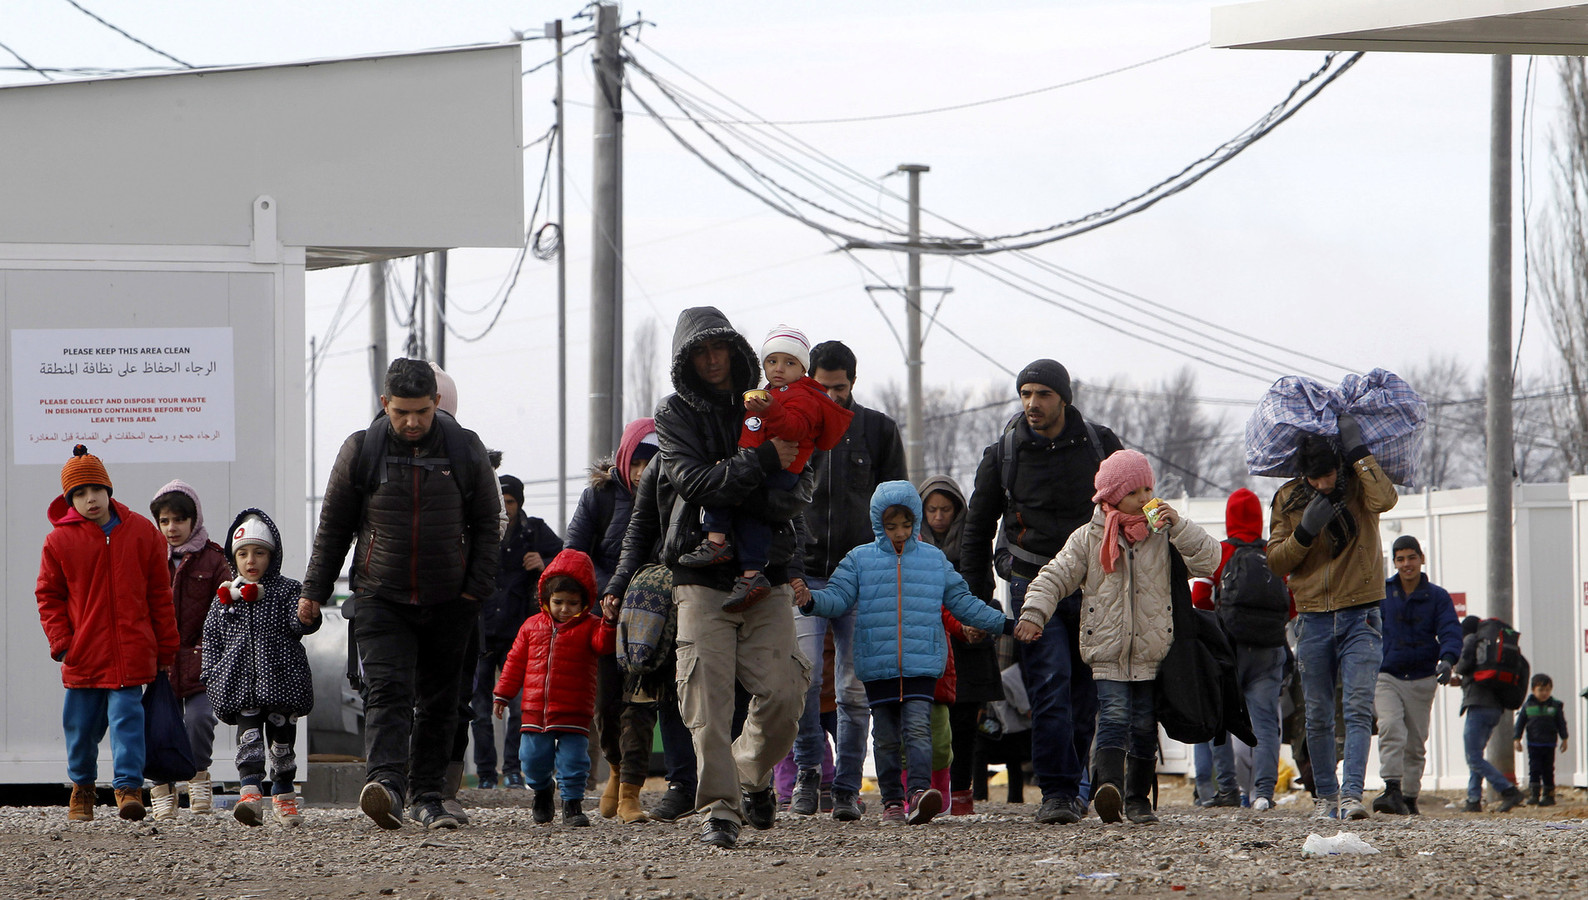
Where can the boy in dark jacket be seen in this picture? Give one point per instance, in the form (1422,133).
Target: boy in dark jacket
(1541,720)
(1481,704)
(553,661)
(526,546)
(197,568)
(255,669)
(104,597)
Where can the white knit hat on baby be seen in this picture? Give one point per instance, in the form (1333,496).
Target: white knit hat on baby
(784,339)
(252,530)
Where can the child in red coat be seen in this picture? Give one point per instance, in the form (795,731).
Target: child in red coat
(794,407)
(104,596)
(559,702)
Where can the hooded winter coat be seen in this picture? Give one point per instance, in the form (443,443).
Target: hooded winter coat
(1420,629)
(555,664)
(253,650)
(604,507)
(800,412)
(869,453)
(975,665)
(899,598)
(1320,579)
(1243,521)
(105,600)
(698,428)
(1126,617)
(202,568)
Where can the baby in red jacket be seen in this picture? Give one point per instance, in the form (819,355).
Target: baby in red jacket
(559,701)
(794,407)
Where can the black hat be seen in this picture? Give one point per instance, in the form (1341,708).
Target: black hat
(1047,372)
(512,487)
(1406,542)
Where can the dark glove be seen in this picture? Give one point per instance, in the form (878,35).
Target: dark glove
(1314,519)
(1443,671)
(1004,564)
(1351,443)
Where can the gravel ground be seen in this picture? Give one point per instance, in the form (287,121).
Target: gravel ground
(999,852)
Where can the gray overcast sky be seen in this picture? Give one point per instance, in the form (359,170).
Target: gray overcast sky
(1357,232)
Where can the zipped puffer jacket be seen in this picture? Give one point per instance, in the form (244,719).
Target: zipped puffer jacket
(900,597)
(1126,618)
(105,601)
(555,665)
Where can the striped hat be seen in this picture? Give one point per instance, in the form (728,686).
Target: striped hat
(82,469)
(784,339)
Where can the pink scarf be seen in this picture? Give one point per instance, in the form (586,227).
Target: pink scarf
(1116,523)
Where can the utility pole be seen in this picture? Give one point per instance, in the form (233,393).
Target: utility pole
(915,451)
(606,272)
(554,30)
(314,410)
(439,322)
(377,327)
(1501,465)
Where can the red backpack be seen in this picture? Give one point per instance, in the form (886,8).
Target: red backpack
(1500,663)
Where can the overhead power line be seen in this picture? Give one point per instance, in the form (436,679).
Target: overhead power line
(144,44)
(26,66)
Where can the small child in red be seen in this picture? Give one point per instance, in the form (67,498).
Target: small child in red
(794,407)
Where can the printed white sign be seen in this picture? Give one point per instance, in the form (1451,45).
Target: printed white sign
(130,394)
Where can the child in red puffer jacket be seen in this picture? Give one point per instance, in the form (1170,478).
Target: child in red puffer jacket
(553,661)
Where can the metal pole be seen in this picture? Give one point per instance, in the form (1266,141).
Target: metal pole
(314,370)
(1500,461)
(377,327)
(440,342)
(606,281)
(562,306)
(915,450)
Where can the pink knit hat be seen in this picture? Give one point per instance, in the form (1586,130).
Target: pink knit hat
(1122,472)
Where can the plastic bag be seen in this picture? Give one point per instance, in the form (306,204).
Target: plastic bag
(1391,414)
(1344,843)
(168,757)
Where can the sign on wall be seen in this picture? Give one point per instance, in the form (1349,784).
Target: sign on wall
(130,394)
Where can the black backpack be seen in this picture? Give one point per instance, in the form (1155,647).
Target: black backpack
(1253,602)
(1006,456)
(1199,695)
(370,472)
(1500,664)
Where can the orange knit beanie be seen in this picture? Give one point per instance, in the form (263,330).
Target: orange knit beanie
(83,468)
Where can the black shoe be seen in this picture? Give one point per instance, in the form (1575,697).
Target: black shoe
(847,806)
(826,802)
(721,833)
(707,554)
(1532,793)
(543,807)
(676,804)
(429,812)
(1411,806)
(487,782)
(1391,801)
(1108,784)
(760,808)
(1473,806)
(1548,797)
(382,804)
(573,815)
(807,793)
(513,781)
(1228,799)
(747,592)
(1511,799)
(1057,811)
(1141,777)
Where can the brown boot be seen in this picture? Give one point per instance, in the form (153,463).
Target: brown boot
(129,803)
(609,797)
(82,808)
(629,804)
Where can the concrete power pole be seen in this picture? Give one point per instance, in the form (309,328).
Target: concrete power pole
(606,272)
(438,343)
(377,327)
(915,420)
(554,30)
(1501,465)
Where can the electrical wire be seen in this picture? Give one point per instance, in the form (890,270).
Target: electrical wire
(565,51)
(144,44)
(26,66)
(1528,97)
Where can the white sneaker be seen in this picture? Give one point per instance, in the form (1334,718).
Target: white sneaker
(1352,808)
(1326,808)
(200,793)
(1262,804)
(163,797)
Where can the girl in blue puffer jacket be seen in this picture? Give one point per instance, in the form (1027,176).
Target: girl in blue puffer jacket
(901,586)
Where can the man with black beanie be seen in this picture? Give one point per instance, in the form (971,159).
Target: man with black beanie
(1033,488)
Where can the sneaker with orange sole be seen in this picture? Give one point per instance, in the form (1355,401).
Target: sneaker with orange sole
(287,808)
(248,809)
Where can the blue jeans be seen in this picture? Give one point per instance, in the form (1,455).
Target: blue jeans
(1063,698)
(566,751)
(1215,767)
(853,712)
(1348,645)
(909,722)
(1475,736)
(86,715)
(1261,671)
(1125,719)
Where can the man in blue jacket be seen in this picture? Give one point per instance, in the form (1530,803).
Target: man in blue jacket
(1422,641)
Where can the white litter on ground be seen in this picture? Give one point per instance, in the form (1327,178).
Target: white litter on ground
(1344,843)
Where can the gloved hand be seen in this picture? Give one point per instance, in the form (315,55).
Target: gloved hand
(1350,433)
(1443,672)
(223,592)
(1314,519)
(249,591)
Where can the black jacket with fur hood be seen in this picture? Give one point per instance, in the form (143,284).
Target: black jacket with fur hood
(698,430)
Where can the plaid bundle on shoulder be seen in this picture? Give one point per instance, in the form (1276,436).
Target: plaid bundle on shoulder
(1390,412)
(647,624)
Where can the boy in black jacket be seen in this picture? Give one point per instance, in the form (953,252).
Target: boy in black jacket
(1542,720)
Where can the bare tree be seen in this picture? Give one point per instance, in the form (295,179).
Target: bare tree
(1559,265)
(1453,438)
(1193,451)
(643,370)
(961,420)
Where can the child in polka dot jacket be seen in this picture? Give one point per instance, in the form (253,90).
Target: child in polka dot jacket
(255,669)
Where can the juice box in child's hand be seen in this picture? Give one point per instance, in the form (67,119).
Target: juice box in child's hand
(1151,511)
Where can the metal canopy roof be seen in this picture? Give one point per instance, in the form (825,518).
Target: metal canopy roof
(1532,27)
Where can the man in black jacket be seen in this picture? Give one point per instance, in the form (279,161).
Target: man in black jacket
(1033,488)
(839,519)
(425,514)
(698,428)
